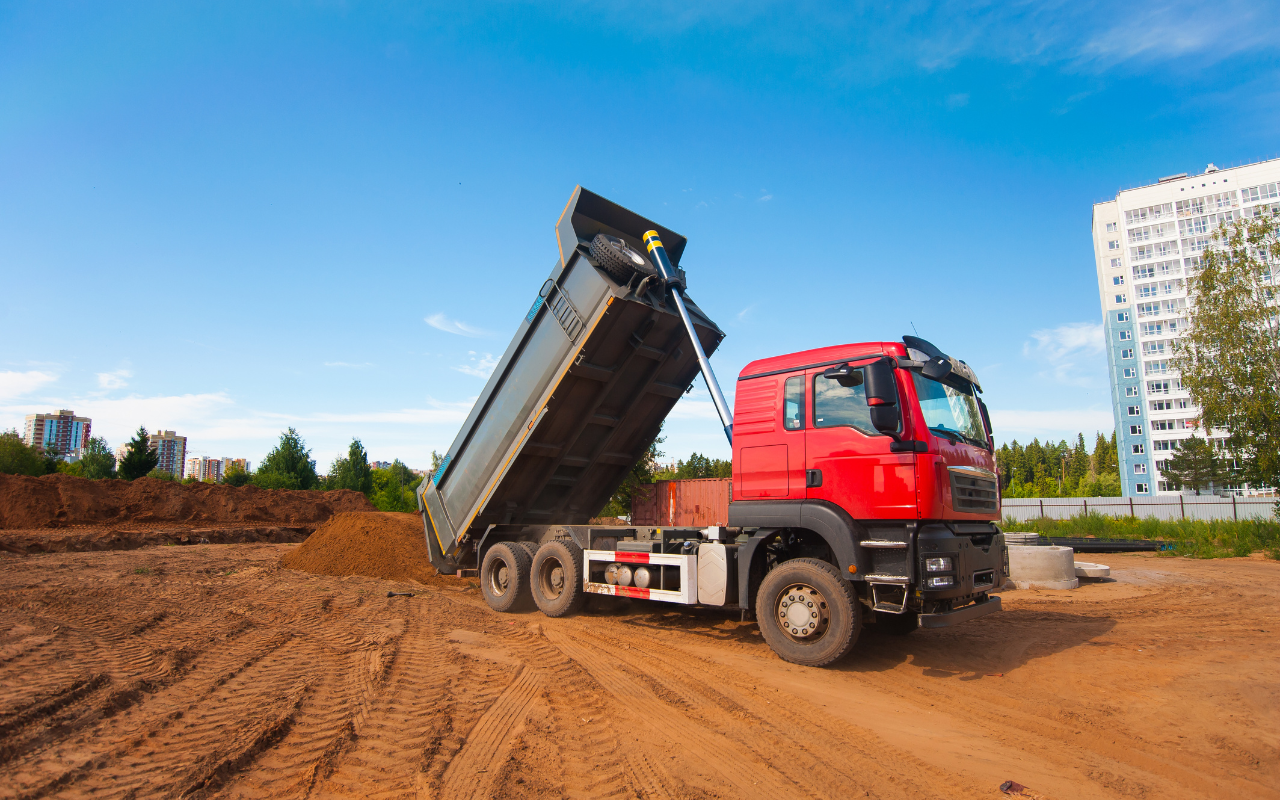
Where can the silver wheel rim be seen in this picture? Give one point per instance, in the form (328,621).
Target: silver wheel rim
(551,578)
(499,579)
(802,613)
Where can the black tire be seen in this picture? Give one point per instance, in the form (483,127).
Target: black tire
(530,548)
(808,613)
(504,576)
(897,624)
(618,258)
(556,579)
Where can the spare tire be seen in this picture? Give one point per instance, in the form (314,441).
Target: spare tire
(618,258)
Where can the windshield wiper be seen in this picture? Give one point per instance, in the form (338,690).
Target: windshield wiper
(954,436)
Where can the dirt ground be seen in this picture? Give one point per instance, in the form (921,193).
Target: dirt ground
(210,670)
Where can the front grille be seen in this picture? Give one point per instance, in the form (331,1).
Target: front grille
(972,493)
(984,578)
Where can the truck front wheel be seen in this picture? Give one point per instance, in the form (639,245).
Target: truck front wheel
(504,575)
(807,612)
(557,578)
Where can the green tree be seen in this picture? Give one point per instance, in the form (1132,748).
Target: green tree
(288,466)
(96,460)
(234,476)
(16,458)
(1078,462)
(393,488)
(160,474)
(1196,465)
(139,458)
(1230,356)
(1105,457)
(698,466)
(352,471)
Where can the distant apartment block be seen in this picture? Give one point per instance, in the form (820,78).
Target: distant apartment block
(62,430)
(171,450)
(380,464)
(1146,242)
(203,468)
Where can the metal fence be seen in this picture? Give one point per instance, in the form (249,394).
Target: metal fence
(1203,507)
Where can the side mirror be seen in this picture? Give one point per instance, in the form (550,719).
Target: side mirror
(882,397)
(845,375)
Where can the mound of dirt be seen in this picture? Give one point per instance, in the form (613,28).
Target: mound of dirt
(376,544)
(59,501)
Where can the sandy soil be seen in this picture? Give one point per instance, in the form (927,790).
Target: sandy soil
(209,670)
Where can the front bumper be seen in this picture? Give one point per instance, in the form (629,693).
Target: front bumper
(946,619)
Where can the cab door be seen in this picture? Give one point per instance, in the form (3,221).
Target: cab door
(848,462)
(769,438)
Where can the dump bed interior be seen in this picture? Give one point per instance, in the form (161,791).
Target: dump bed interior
(579,395)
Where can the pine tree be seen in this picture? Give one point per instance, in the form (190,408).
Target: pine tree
(139,458)
(288,466)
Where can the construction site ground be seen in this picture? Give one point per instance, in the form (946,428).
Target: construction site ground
(210,670)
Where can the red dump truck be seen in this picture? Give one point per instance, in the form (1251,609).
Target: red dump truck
(864,484)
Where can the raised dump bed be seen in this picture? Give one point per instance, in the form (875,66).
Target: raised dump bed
(580,394)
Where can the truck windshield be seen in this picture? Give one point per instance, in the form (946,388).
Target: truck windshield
(949,411)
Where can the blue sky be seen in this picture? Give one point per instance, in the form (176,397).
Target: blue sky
(226,219)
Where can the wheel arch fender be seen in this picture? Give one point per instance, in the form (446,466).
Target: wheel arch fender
(827,520)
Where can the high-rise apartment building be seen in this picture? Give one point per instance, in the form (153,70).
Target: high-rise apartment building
(1146,242)
(61,429)
(172,451)
(203,468)
(241,463)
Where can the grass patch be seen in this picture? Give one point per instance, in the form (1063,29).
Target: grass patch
(1194,538)
(142,571)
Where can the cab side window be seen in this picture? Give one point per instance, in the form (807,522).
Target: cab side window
(841,401)
(793,403)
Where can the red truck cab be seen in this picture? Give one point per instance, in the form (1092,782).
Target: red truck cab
(876,458)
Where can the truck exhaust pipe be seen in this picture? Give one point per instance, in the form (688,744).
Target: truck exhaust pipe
(660,260)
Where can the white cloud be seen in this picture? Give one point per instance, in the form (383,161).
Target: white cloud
(114,380)
(442,323)
(480,366)
(689,408)
(1070,353)
(764,198)
(17,384)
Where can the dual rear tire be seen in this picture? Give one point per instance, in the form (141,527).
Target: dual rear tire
(512,572)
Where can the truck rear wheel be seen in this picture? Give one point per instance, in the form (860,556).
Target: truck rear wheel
(504,575)
(807,612)
(557,578)
(618,258)
(897,624)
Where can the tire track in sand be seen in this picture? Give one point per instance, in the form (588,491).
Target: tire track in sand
(472,772)
(745,771)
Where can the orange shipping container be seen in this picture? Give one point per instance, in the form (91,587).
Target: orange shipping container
(694,503)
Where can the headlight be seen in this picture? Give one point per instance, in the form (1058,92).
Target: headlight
(940,582)
(942,564)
